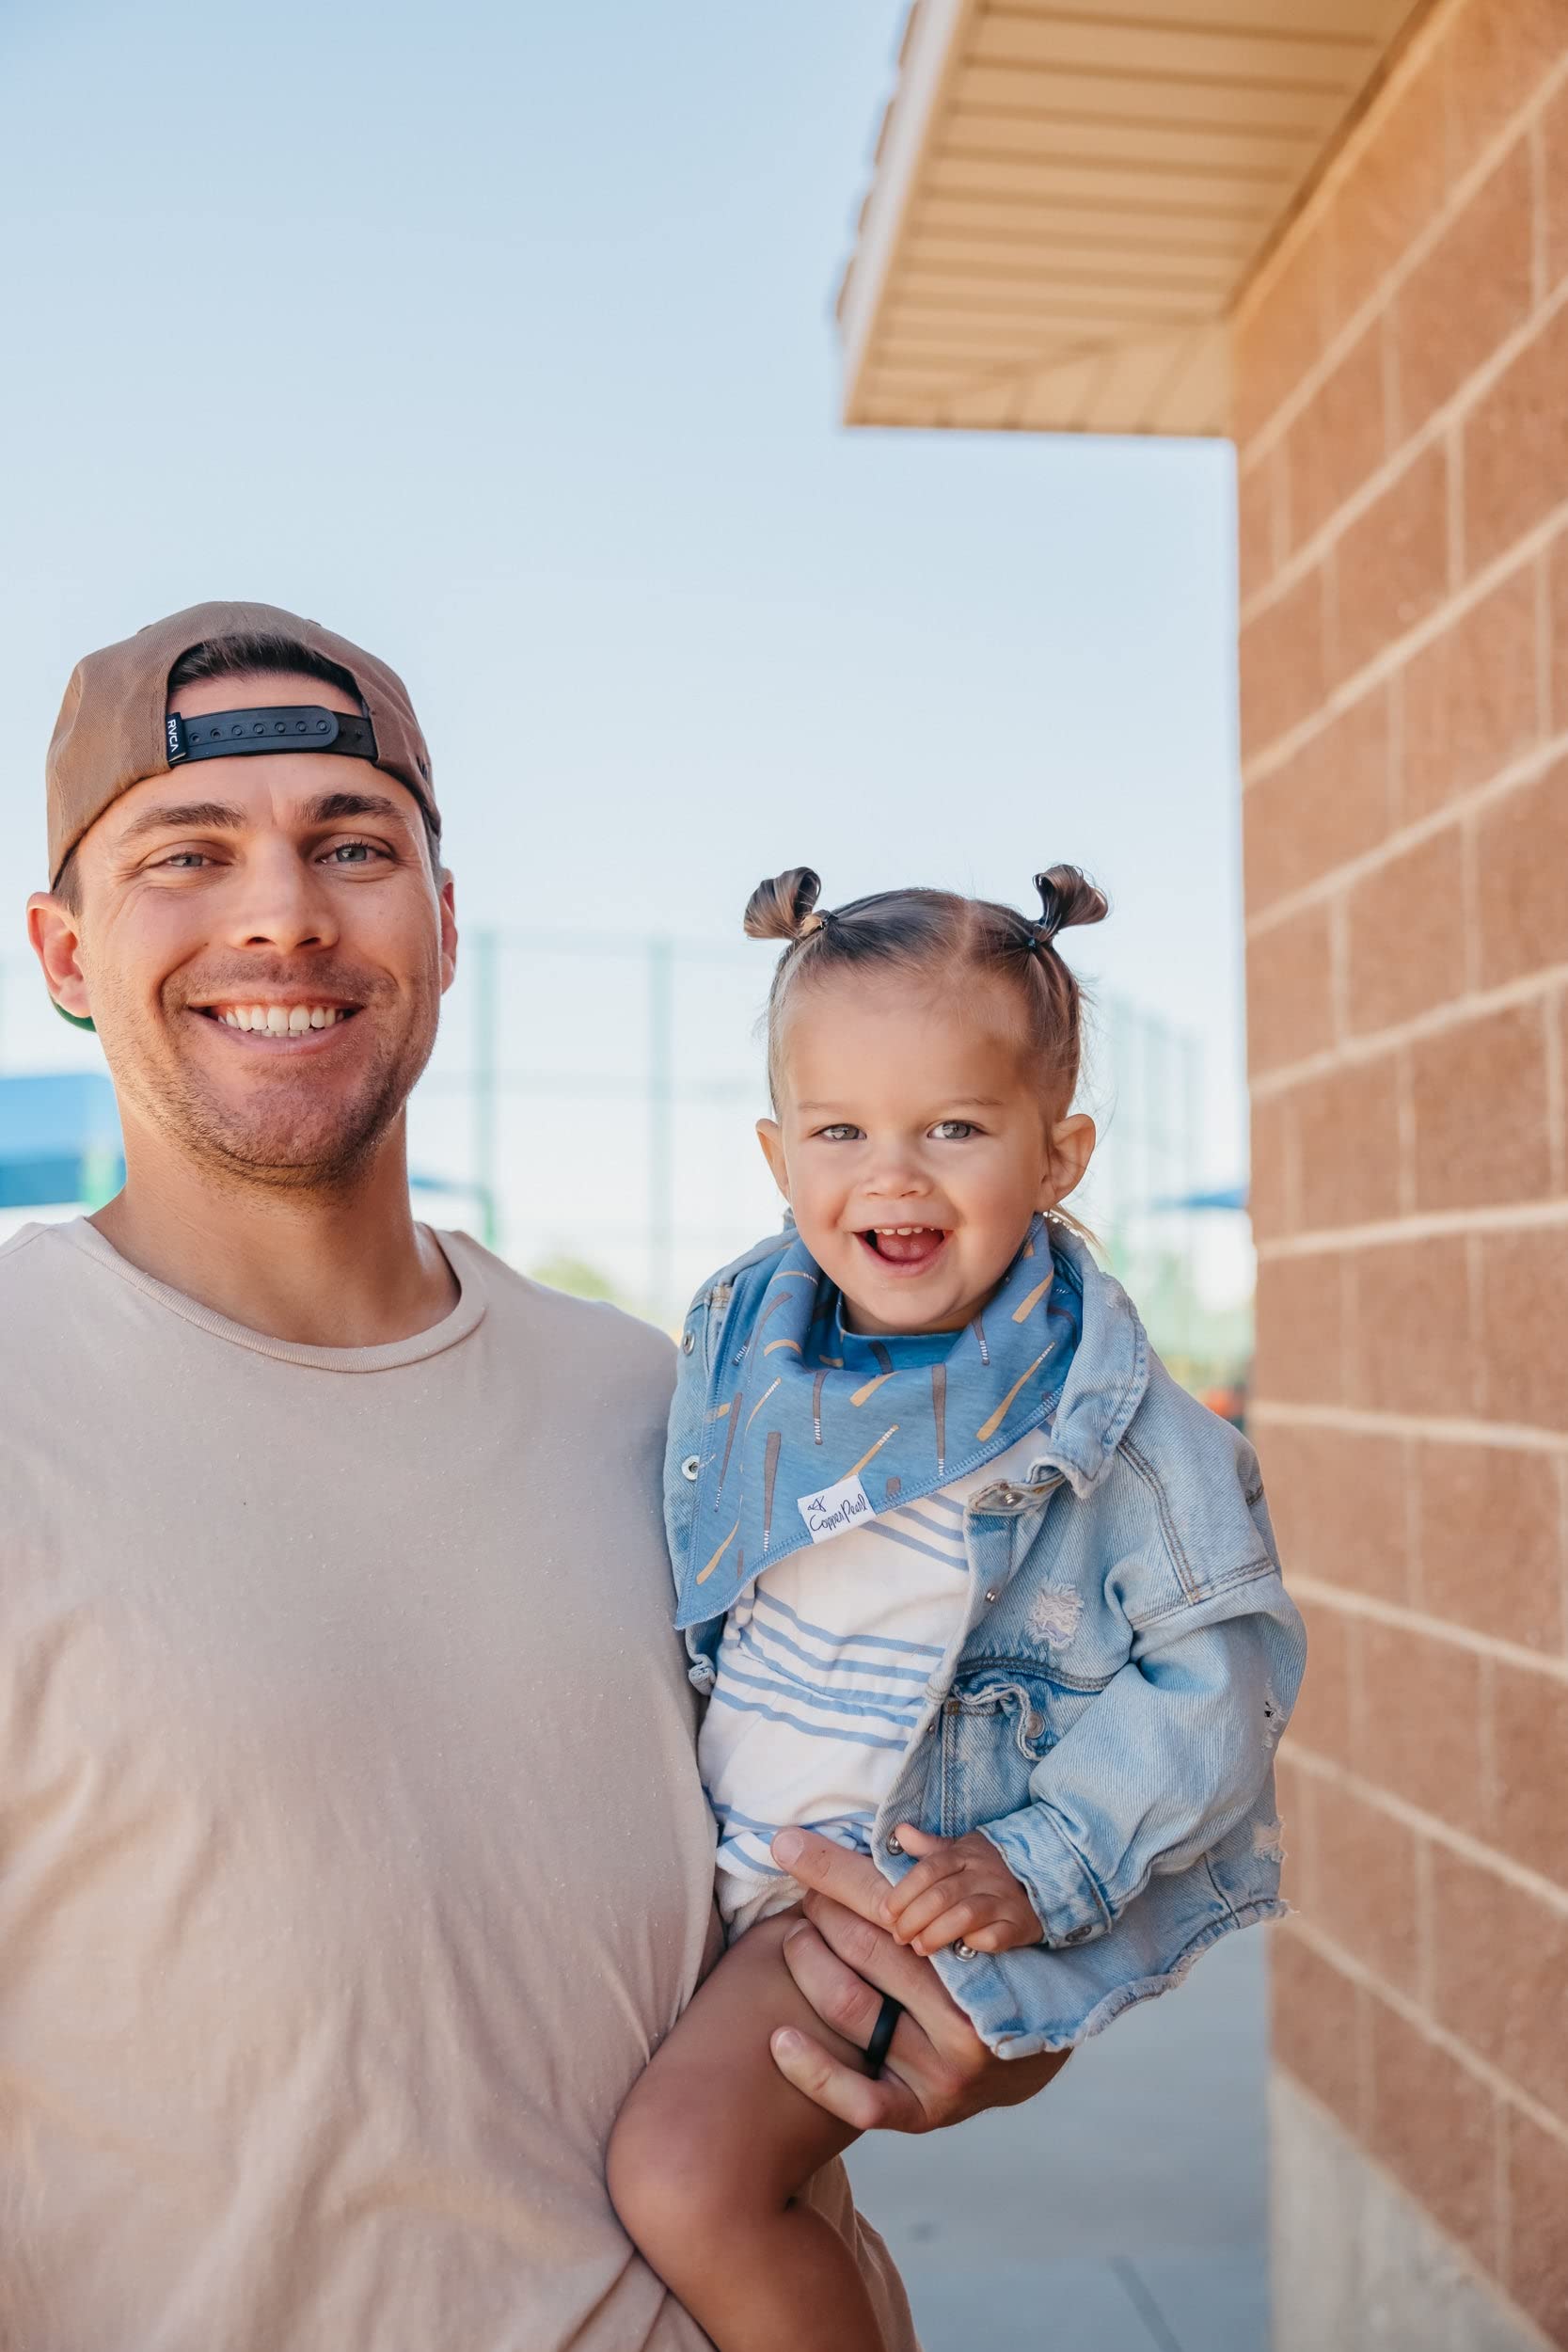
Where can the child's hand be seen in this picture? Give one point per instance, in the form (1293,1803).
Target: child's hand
(959,1891)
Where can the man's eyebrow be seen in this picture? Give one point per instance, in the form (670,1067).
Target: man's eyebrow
(333,806)
(185,816)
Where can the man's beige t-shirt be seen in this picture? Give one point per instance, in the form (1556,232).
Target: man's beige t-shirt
(352,1856)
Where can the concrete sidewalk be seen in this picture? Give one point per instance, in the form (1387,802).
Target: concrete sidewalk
(1125,2210)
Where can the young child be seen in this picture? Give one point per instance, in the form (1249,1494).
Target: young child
(974,1588)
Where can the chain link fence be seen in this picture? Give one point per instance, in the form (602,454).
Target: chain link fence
(591,1105)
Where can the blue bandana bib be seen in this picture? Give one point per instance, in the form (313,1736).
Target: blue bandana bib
(815,1429)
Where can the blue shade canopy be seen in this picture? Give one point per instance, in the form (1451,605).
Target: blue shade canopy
(1228,1196)
(59,1139)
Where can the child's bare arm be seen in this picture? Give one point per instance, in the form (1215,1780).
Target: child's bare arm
(959,1891)
(709,2156)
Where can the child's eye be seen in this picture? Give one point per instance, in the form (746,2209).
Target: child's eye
(842,1133)
(954,1130)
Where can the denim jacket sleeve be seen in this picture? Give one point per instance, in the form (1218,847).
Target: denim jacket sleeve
(1166,1759)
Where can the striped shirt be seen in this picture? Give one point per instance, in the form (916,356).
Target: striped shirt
(822,1671)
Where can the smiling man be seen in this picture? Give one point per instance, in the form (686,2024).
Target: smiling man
(352,1856)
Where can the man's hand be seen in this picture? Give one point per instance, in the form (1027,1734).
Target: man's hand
(937,2070)
(959,1891)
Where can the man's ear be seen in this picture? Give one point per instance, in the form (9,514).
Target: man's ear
(1070,1149)
(770,1137)
(448,928)
(56,937)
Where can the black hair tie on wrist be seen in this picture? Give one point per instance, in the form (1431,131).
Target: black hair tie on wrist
(881,2034)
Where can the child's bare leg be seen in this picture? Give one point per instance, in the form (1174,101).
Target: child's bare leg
(710,2153)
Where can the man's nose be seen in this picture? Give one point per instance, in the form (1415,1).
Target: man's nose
(281,904)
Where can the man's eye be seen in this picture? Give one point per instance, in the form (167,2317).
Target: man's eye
(183,860)
(842,1133)
(353,852)
(954,1130)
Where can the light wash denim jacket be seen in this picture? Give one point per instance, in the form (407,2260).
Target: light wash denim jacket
(1108,1709)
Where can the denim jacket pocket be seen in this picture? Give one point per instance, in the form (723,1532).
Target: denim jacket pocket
(993,1730)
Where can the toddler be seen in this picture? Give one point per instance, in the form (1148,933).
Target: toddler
(973,1586)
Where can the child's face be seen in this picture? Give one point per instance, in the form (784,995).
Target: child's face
(911,1108)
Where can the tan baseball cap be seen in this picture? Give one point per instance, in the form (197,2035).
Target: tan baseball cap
(112,731)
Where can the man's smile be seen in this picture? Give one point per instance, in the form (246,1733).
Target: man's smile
(289,1023)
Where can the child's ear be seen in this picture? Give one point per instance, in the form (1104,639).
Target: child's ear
(1069,1149)
(770,1137)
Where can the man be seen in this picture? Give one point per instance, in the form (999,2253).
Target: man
(353,1857)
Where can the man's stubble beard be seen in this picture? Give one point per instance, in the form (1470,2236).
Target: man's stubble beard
(279,1146)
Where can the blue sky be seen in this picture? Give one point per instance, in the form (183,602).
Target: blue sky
(500,339)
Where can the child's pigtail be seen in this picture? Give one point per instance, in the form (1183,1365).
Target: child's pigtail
(783,907)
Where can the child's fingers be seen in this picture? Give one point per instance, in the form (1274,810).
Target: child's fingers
(918,1841)
(1006,1936)
(960,1922)
(936,1870)
(929,1903)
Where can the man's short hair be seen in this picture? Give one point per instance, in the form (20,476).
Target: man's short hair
(252,653)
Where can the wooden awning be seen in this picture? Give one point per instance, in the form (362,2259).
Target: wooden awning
(1070,195)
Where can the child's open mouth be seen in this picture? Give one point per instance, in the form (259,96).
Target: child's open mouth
(904,1249)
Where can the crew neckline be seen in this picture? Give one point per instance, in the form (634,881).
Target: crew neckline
(460,1253)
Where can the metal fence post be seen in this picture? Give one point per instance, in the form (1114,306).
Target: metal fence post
(661,1140)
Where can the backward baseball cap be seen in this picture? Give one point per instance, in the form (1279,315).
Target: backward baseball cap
(111,732)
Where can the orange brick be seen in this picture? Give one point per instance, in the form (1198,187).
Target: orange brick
(1330,801)
(1347,1145)
(1268,1191)
(1498,55)
(1342,435)
(1323,1721)
(1337,1500)
(1554,138)
(1521,856)
(1489,1541)
(1294,1795)
(1529,1743)
(1481,1104)
(1470,699)
(1419,1731)
(1557,601)
(1282,335)
(1289,991)
(1394,189)
(1260,518)
(1316,2017)
(1524,1315)
(1537,2273)
(1390,565)
(1499,1965)
(1284,664)
(1471,293)
(1365,1891)
(1301,1334)
(1436,2128)
(1516,446)
(1414,1350)
(1408,946)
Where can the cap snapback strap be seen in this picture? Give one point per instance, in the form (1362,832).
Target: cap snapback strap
(293,728)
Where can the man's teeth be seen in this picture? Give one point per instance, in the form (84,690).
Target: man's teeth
(282,1020)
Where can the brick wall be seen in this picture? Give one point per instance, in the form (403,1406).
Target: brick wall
(1403,419)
